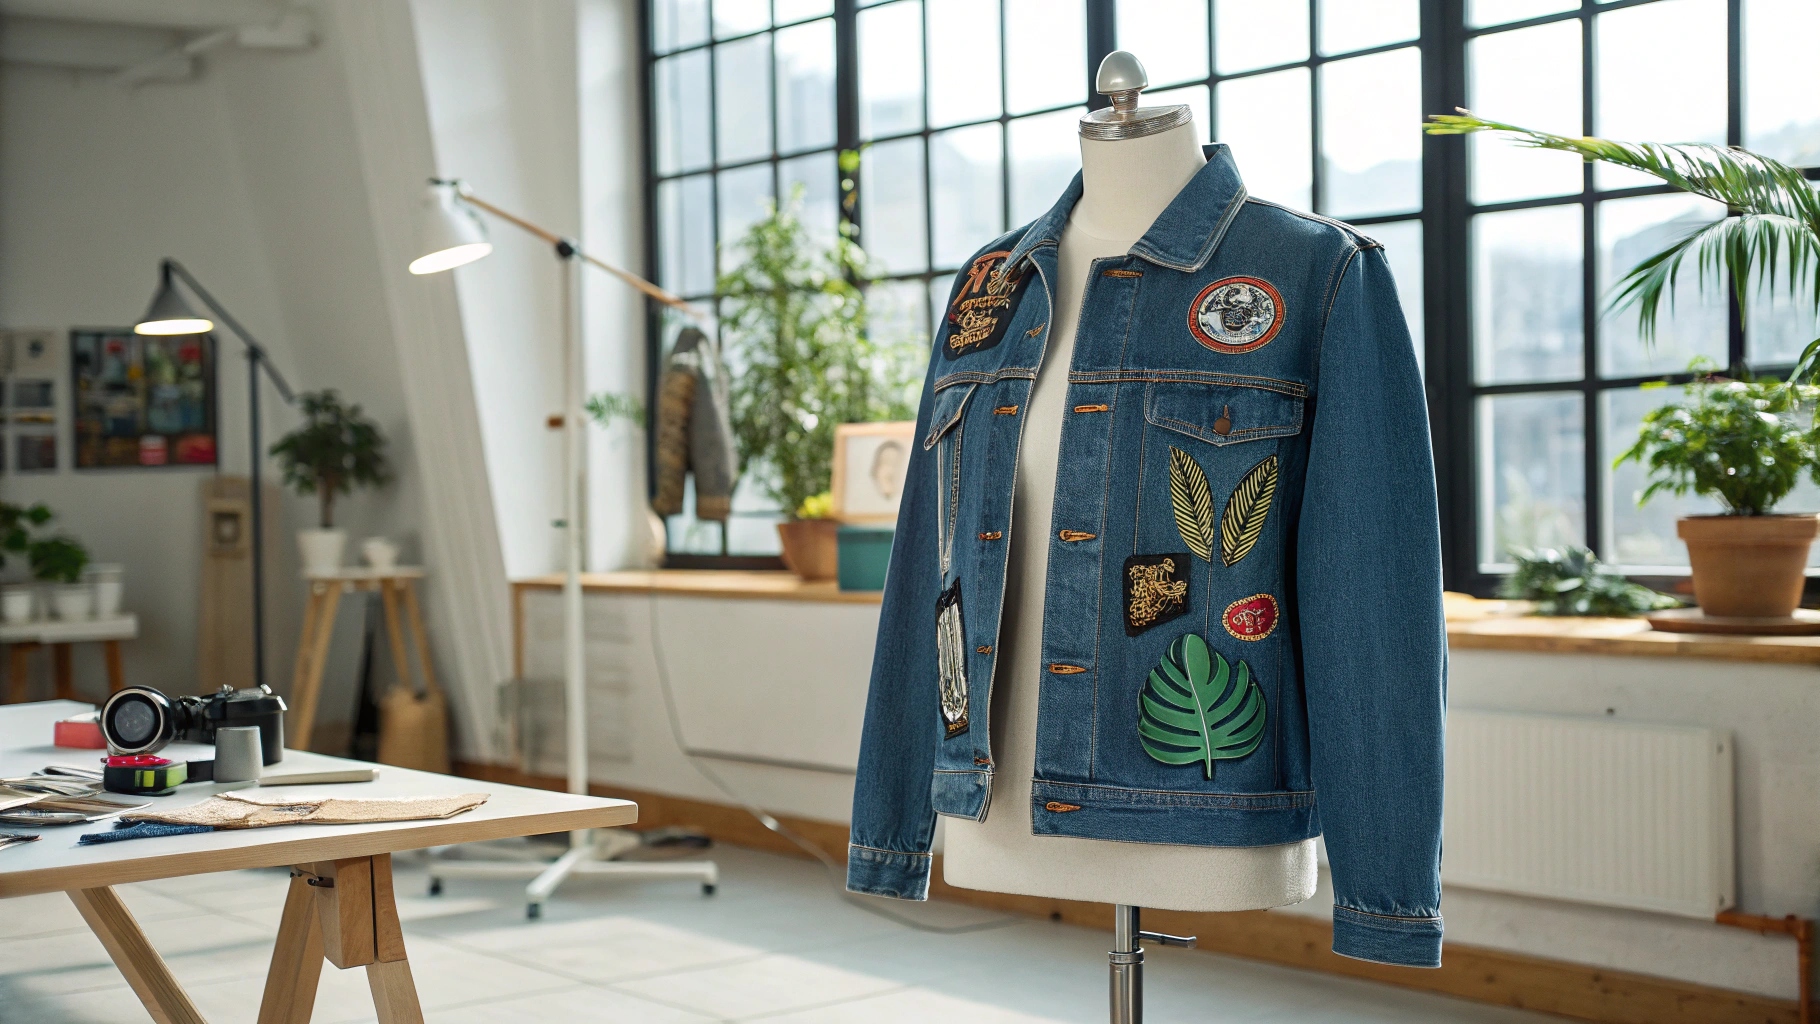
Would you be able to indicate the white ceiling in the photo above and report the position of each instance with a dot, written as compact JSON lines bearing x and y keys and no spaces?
{"x":141,"y":41}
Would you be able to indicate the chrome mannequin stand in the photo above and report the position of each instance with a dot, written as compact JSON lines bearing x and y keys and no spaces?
{"x":1126,"y":963}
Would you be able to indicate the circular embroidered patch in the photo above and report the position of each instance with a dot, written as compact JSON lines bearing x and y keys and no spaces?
{"x":1236,"y":314}
{"x":1251,"y":618}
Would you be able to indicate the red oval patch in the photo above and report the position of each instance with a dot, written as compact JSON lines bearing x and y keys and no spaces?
{"x":1236,"y":314}
{"x":1251,"y":618}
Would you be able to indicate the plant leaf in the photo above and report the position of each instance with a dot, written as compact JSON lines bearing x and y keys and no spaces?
{"x":1193,"y":502}
{"x":1195,"y":709}
{"x":1243,"y":522}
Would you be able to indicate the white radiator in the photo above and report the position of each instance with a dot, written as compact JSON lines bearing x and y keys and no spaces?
{"x":1590,"y":810}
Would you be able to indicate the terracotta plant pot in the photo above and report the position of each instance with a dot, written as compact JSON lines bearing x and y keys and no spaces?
{"x":811,"y":547}
{"x":1748,"y":566}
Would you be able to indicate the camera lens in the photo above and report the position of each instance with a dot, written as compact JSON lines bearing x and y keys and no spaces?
{"x":134,"y":722}
{"x":137,"y":720}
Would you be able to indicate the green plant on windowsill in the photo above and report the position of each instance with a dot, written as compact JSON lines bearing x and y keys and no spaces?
{"x":1737,"y":440}
{"x":1574,"y":582}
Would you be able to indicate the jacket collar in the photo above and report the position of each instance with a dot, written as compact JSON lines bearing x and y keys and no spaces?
{"x":1184,"y":235}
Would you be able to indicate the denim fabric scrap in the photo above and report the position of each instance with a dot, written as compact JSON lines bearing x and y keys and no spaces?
{"x":124,"y":830}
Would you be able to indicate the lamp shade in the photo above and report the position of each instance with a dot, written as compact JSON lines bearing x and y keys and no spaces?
{"x":169,"y":314}
{"x":449,"y":230}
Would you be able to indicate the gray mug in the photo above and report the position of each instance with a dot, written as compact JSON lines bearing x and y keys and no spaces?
{"x":237,"y":754}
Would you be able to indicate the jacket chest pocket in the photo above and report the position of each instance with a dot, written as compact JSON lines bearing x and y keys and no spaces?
{"x":944,"y":439}
{"x":1211,"y":467}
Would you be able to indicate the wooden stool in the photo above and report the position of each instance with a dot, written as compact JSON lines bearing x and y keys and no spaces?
{"x":26,"y":638}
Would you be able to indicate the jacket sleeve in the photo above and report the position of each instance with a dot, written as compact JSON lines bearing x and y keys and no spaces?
{"x":893,"y":817}
{"x":1373,"y":641}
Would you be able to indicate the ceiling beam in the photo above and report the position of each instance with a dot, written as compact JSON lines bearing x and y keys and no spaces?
{"x":194,"y":15}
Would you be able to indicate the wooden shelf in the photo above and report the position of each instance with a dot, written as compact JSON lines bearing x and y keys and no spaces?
{"x":736,"y":584}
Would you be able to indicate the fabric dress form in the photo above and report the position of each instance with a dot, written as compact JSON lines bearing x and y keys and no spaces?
{"x":1127,"y":183}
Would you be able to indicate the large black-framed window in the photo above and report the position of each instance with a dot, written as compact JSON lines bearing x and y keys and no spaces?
{"x":964,"y":112}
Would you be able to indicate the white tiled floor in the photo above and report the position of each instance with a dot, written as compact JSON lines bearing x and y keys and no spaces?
{"x":776,"y":944}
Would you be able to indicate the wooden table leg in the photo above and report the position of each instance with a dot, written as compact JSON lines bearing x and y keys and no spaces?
{"x":145,"y":970}
{"x":66,"y":680}
{"x":19,"y":670}
{"x":358,"y":914}
{"x":116,"y":671}
{"x":312,"y":652}
{"x":394,"y":629}
{"x":419,"y":636}
{"x":290,"y":983}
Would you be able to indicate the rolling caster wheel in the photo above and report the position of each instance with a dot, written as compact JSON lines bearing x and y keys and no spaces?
{"x":707,"y":888}
{"x":435,"y":887}
{"x":533,"y":911}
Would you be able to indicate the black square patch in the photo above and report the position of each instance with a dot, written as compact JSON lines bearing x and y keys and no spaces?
{"x":1156,"y":590}
{"x":984,"y":304}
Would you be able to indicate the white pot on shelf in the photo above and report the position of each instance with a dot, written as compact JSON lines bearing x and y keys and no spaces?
{"x":18,"y":603}
{"x":321,"y":549}
{"x":109,"y":581}
{"x":380,"y":553}
{"x":73,"y":602}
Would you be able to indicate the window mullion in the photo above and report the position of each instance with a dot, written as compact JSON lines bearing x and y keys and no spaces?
{"x":1593,"y":496}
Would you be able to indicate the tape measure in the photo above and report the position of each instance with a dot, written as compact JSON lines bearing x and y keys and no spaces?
{"x":143,"y":774}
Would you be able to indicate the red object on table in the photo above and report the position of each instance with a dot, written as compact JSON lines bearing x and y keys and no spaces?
{"x":83,"y":733}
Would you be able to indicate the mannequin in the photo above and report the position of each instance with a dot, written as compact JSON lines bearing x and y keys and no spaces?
{"x":1127,"y":183}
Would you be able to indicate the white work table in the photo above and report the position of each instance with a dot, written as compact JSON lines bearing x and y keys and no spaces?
{"x":340,"y":905}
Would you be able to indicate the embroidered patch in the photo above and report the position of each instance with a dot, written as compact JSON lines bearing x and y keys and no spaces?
{"x":982,"y":309}
{"x":1243,"y":521}
{"x":1156,"y":590}
{"x":951,"y":659}
{"x":1196,"y":709}
{"x":1193,"y":503}
{"x":1251,"y":618}
{"x":1236,"y":314}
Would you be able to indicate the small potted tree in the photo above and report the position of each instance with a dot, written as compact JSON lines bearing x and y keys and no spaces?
{"x":1742,"y":441}
{"x":59,"y":561}
{"x":336,"y":450}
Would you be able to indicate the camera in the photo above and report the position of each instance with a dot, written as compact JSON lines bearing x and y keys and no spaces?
{"x":141,"y":720}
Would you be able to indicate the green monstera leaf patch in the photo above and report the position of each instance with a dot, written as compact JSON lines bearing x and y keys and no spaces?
{"x":1195,"y":708}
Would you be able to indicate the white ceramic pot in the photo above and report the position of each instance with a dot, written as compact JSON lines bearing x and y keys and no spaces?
{"x":110,"y":587}
{"x":73,"y":602}
{"x":18,"y":603}
{"x":321,"y":549}
{"x":380,"y":553}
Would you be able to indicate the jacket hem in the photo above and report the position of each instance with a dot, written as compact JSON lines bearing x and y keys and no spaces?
{"x":891,"y":873}
{"x":1399,"y":941}
{"x":1171,"y":818}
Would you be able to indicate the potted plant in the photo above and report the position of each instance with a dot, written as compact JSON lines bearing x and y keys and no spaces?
{"x":1739,"y":440}
{"x":18,"y":600}
{"x":59,"y":561}
{"x":1575,"y":582}
{"x":336,"y":450}
{"x":802,"y":362}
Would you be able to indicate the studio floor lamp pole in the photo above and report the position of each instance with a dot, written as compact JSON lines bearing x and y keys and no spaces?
{"x":453,"y":235}
{"x":170,"y":314}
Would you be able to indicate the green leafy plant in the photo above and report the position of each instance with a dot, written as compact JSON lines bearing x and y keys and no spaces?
{"x":800,"y":355}
{"x":1742,"y":442}
{"x":816,"y":506}
{"x":1773,"y":243}
{"x":606,"y":407}
{"x":335,"y":450}
{"x":57,"y":559}
{"x":1574,"y":582}
{"x":16,"y":525}
{"x":1195,"y":709}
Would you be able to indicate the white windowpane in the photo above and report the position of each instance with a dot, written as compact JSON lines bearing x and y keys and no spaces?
{"x":1636,"y":101}
{"x":1502,"y":12}
{"x":1045,"y":53}
{"x":1258,"y":33}
{"x":815,"y":175}
{"x":1371,"y":134}
{"x":1402,"y":241}
{"x":896,"y":313}
{"x":678,"y":23}
{"x":1782,"y":80}
{"x":939,"y":288}
{"x":1169,"y":36}
{"x":1532,"y":473}
{"x":892,"y":213}
{"x":805,"y":86}
{"x":1195,"y":97}
{"x":1778,"y":328}
{"x":685,"y":211}
{"x":742,"y":99}
{"x":738,"y":17}
{"x":799,"y":10}
{"x":1045,"y":156}
{"x":1507,"y":86}
{"x":963,"y":61}
{"x":966,"y":170}
{"x":1640,"y":537}
{"x":682,"y":113}
{"x":1265,"y":121}
{"x":745,"y":199}
{"x":1348,"y":25}
{"x":891,"y":69}
{"x":1630,"y":230}
{"x":1527,"y":295}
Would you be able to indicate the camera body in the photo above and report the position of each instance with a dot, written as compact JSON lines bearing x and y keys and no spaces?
{"x":142,"y":720}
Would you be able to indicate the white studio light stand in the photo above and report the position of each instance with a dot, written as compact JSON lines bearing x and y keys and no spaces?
{"x":453,"y":235}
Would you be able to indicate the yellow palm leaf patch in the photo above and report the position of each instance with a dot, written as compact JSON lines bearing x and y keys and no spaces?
{"x":1193,"y":502}
{"x":1243,"y":521}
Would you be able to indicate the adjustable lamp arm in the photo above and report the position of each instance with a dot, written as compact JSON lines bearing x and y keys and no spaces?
{"x":257,"y":351}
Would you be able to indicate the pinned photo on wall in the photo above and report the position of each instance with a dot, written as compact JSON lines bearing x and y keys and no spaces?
{"x":870,"y":463}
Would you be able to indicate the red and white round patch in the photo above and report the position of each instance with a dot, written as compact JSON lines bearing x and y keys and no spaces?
{"x":1251,"y":618}
{"x":1236,"y":314}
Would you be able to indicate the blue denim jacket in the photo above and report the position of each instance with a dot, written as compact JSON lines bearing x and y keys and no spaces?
{"x":1243,"y":640}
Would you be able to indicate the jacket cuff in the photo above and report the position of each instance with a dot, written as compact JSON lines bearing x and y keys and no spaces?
{"x":1400,"y":941}
{"x":901,"y":876}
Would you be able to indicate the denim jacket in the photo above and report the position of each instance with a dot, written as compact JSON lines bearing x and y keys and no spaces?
{"x":1243,"y":640}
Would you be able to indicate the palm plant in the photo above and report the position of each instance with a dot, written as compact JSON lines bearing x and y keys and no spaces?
{"x":1774,"y":242}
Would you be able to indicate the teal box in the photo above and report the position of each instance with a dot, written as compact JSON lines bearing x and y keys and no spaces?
{"x":865,"y":551}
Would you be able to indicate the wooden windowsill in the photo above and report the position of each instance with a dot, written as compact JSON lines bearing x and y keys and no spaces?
{"x":1471,"y":624}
